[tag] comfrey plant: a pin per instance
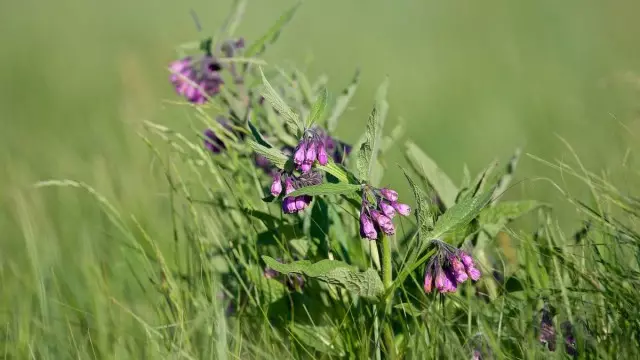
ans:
(307, 230)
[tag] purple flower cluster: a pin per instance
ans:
(310, 149)
(337, 149)
(294, 204)
(196, 80)
(547, 332)
(379, 206)
(448, 268)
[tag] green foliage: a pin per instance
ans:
(326, 189)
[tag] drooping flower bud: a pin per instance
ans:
(367, 229)
(299, 154)
(383, 221)
(428, 281)
(288, 184)
(389, 194)
(387, 209)
(402, 209)
(276, 185)
(458, 269)
(322, 154)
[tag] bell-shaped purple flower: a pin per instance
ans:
(310, 155)
(300, 153)
(389, 194)
(458, 269)
(470, 266)
(383, 221)
(428, 281)
(289, 205)
(387, 209)
(302, 202)
(322, 154)
(367, 229)
(445, 282)
(288, 186)
(402, 209)
(276, 185)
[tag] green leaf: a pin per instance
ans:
(259, 138)
(494, 218)
(366, 284)
(396, 133)
(367, 156)
(275, 156)
(271, 289)
(338, 171)
(505, 179)
(233, 19)
(318, 108)
(326, 189)
(423, 213)
(342, 102)
(459, 215)
(429, 171)
(325, 339)
(409, 309)
(272, 34)
(305, 87)
(279, 105)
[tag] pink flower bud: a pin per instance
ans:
(402, 209)
(323, 158)
(276, 185)
(387, 209)
(389, 194)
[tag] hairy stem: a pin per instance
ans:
(387, 281)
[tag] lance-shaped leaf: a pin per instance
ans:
(424, 216)
(259, 138)
(367, 156)
(338, 171)
(326, 189)
(366, 284)
(272, 34)
(429, 170)
(459, 215)
(494, 218)
(279, 105)
(306, 90)
(318, 108)
(342, 102)
(275, 156)
(505, 179)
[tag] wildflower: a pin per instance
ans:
(378, 209)
(310, 149)
(196, 80)
(569, 339)
(367, 229)
(276, 185)
(546, 331)
(298, 203)
(448, 268)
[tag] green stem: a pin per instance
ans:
(387, 281)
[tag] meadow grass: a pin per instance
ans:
(119, 274)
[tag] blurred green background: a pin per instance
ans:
(473, 80)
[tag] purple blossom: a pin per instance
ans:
(367, 229)
(296, 204)
(276, 185)
(448, 268)
(377, 206)
(389, 194)
(196, 80)
(402, 209)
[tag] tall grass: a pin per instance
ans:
(100, 277)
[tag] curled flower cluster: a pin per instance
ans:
(448, 268)
(198, 79)
(295, 204)
(310, 149)
(379, 206)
